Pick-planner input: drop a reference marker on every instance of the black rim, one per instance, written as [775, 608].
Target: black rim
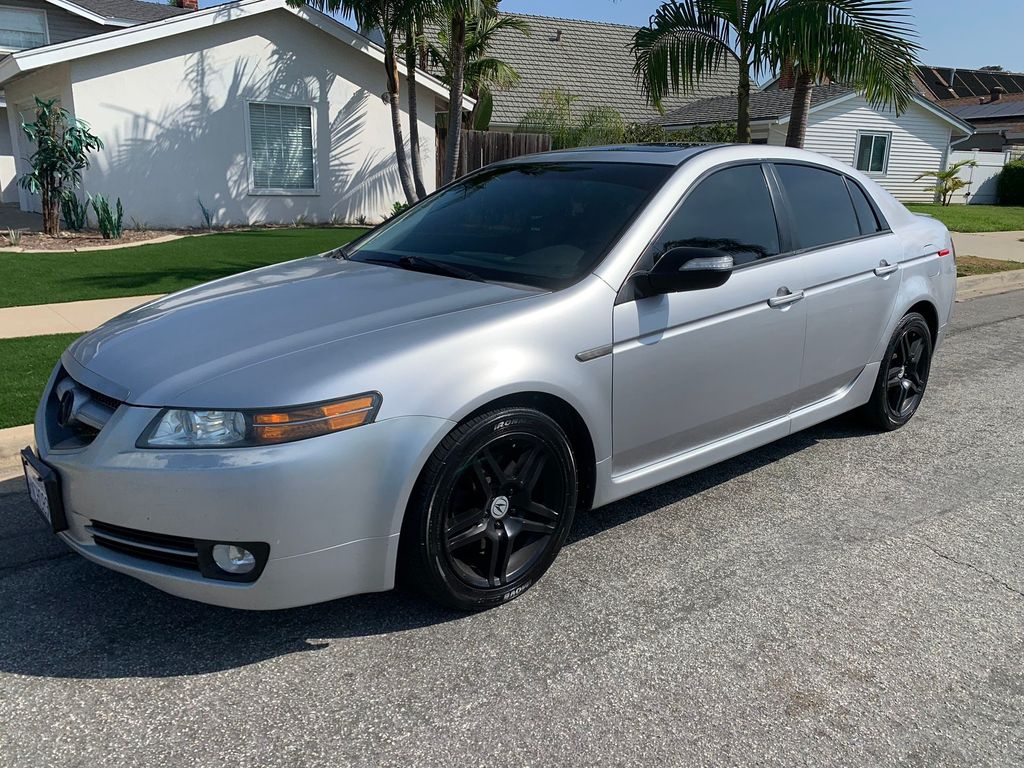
[907, 374]
[504, 510]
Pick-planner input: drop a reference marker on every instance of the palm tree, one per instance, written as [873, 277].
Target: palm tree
[482, 72]
[861, 42]
[948, 181]
[394, 19]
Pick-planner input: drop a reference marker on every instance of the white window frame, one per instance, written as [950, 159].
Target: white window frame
[37, 11]
[275, 191]
[887, 135]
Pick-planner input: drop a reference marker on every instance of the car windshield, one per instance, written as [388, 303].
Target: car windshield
[544, 225]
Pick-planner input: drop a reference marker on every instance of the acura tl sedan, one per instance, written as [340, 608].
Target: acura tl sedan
[434, 402]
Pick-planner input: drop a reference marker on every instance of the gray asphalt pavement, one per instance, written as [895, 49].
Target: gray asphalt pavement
[837, 598]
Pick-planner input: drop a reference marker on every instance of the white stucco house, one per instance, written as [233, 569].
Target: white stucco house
[264, 112]
[892, 148]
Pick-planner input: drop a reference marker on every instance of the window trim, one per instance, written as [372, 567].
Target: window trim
[4, 49]
[255, 191]
[887, 135]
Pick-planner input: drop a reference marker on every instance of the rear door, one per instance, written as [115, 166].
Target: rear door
[851, 263]
[691, 368]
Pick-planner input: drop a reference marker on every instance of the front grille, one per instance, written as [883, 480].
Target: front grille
[78, 425]
[177, 551]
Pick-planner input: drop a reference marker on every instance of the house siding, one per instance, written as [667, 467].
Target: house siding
[182, 134]
[920, 142]
[62, 25]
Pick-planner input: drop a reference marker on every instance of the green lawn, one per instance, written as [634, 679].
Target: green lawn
[27, 363]
[43, 278]
[975, 218]
[968, 266]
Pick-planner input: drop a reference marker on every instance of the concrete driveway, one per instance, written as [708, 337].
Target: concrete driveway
[837, 598]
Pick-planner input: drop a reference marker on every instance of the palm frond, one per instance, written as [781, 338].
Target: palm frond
[685, 41]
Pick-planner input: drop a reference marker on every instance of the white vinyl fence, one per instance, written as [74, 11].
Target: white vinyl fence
[981, 179]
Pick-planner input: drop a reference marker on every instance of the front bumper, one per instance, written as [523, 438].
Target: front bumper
[329, 507]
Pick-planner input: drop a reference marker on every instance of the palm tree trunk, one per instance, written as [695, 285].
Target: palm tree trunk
[802, 90]
[454, 142]
[414, 120]
[391, 65]
[743, 105]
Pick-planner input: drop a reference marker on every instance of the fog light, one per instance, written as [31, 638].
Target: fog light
[231, 558]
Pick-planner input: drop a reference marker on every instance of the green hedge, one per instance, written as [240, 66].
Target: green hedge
[1011, 184]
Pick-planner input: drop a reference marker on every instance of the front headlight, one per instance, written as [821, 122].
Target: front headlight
[183, 428]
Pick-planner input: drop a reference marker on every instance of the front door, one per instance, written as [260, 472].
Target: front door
[694, 367]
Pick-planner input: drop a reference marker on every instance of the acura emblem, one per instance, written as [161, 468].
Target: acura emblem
[66, 409]
[499, 507]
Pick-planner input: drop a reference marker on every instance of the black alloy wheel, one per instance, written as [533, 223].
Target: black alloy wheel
[903, 376]
[492, 509]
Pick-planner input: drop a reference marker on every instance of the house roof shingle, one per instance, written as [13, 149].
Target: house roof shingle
[764, 105]
[590, 60]
[131, 10]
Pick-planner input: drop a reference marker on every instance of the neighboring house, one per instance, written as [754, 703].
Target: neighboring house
[893, 149]
[263, 111]
[589, 59]
[28, 24]
[990, 100]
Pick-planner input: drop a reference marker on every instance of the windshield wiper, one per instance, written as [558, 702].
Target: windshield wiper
[423, 264]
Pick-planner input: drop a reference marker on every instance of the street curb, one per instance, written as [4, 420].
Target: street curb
[989, 285]
[12, 440]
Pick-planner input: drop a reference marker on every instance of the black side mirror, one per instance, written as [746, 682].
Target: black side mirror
[685, 269]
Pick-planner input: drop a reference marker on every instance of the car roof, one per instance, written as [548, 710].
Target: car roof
[652, 154]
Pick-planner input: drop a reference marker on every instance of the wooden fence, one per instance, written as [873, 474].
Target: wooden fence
[480, 148]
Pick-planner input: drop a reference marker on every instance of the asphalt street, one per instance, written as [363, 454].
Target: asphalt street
[837, 598]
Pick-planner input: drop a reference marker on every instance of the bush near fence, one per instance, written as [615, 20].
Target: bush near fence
[1011, 183]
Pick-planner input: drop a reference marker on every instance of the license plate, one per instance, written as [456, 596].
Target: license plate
[44, 490]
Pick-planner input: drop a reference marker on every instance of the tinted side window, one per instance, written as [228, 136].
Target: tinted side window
[865, 213]
[730, 210]
[822, 209]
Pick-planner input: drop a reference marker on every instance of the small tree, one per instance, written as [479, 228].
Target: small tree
[63, 144]
[948, 181]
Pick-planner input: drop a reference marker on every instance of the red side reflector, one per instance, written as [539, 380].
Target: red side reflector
[945, 252]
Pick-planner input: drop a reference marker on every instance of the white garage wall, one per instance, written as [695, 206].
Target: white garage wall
[920, 141]
[172, 114]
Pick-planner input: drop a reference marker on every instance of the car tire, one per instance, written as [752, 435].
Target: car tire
[491, 510]
[902, 376]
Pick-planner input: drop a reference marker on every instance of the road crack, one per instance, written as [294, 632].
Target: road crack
[991, 577]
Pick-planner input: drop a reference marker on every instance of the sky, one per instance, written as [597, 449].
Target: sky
[954, 33]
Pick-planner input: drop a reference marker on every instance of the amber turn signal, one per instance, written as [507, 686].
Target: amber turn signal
[313, 420]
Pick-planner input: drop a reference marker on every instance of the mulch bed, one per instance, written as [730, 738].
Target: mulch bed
[72, 241]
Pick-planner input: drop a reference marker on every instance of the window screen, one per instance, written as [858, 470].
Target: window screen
[821, 207]
[730, 210]
[281, 141]
[22, 28]
[873, 152]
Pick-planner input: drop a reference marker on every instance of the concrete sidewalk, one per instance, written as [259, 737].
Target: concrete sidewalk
[1004, 246]
[66, 317]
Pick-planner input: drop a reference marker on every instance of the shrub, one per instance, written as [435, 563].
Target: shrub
[111, 223]
[13, 237]
[396, 209]
[1010, 187]
[74, 212]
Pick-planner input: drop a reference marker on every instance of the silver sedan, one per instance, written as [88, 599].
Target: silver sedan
[436, 401]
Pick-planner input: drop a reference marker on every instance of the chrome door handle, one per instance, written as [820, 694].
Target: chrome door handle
[885, 268]
[785, 299]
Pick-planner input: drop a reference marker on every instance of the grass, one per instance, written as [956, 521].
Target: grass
[976, 265]
[43, 278]
[27, 365]
[975, 218]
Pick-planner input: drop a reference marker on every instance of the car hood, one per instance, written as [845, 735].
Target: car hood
[157, 351]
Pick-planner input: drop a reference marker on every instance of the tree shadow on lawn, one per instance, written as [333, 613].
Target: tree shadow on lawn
[171, 278]
[65, 617]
